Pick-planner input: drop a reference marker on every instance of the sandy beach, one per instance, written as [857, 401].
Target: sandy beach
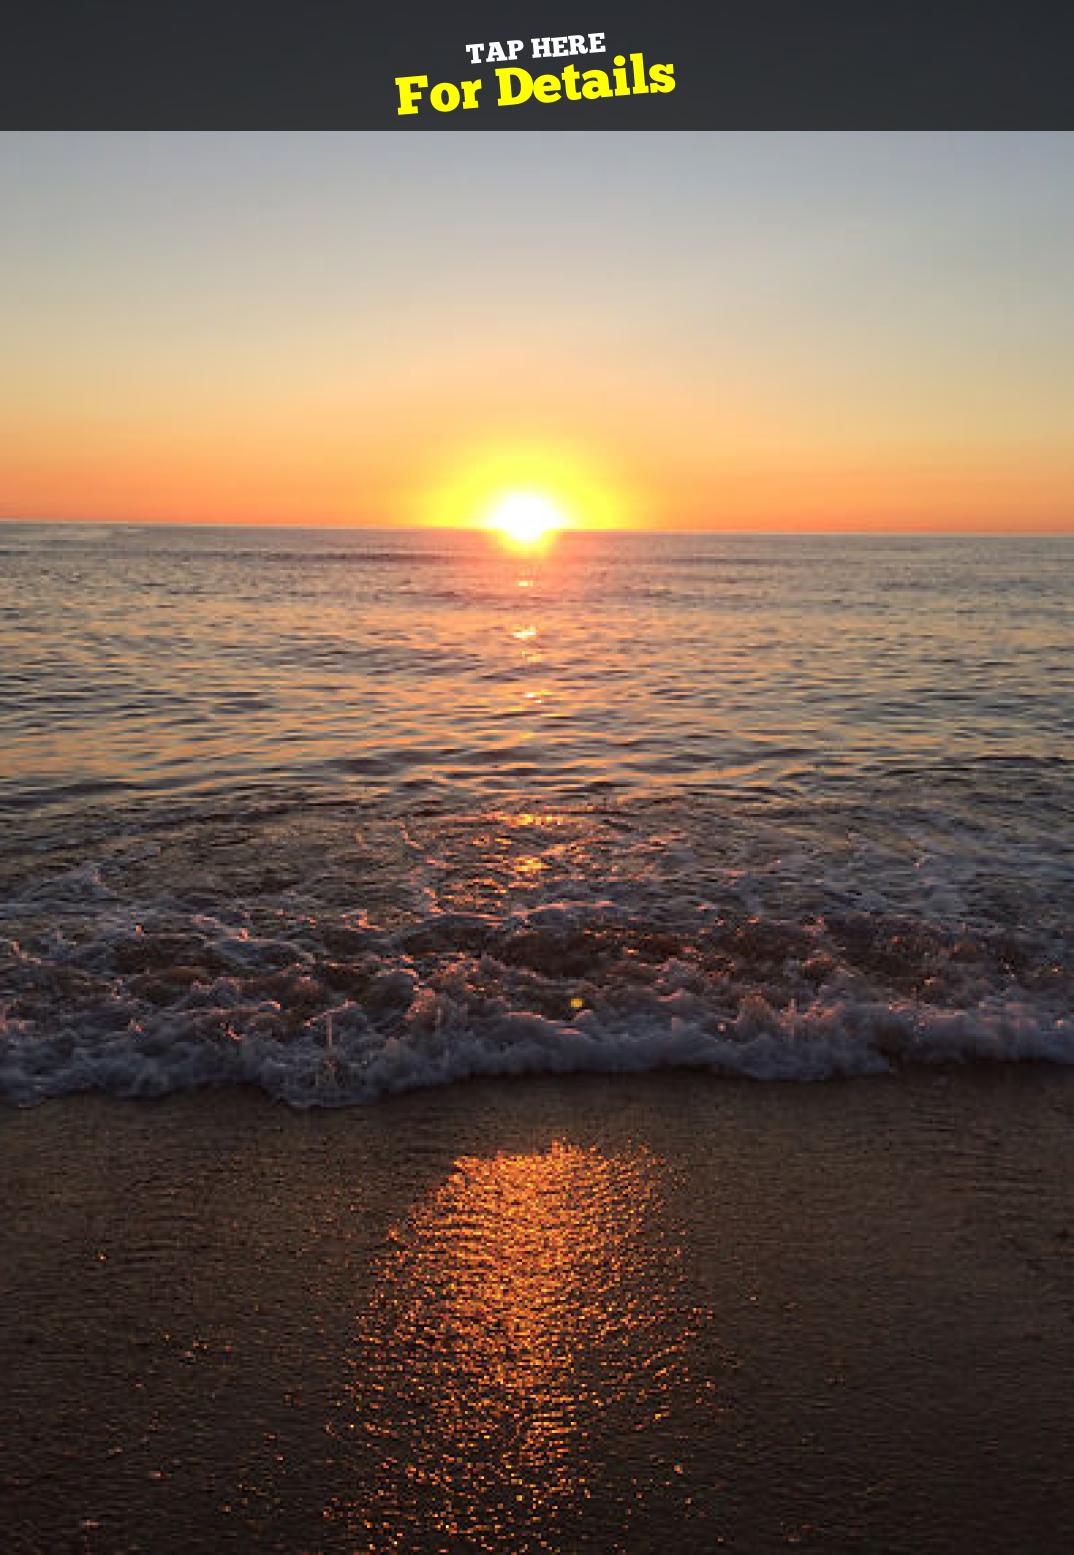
[547, 1315]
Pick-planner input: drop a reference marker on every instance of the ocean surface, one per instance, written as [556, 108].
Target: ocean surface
[341, 813]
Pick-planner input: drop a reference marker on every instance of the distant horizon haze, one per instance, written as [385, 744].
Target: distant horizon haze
[848, 532]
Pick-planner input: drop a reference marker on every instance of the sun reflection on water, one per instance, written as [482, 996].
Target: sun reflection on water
[525, 1327]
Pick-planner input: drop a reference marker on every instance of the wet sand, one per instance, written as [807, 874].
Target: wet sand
[551, 1315]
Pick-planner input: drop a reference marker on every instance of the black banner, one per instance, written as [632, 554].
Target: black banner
[336, 64]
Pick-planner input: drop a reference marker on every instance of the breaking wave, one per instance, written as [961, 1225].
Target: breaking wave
[514, 944]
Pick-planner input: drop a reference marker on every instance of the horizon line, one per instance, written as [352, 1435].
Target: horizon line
[1066, 530]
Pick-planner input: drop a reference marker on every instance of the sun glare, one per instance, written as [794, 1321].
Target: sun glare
[522, 491]
[525, 517]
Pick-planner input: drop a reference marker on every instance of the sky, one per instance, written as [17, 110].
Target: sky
[688, 331]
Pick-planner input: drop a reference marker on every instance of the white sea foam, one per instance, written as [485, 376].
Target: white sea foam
[561, 988]
[330, 955]
[341, 1057]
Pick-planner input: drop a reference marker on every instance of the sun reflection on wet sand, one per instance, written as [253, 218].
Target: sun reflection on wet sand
[530, 864]
[526, 1336]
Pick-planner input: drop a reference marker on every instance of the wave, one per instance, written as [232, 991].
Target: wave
[332, 1011]
[341, 1058]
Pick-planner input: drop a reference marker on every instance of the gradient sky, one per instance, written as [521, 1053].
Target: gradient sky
[683, 330]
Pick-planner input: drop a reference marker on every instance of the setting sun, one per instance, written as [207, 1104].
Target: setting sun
[525, 517]
[523, 490]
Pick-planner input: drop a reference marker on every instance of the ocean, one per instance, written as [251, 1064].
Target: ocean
[340, 813]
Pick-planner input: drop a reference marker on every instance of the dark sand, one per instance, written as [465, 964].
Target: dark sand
[666, 1313]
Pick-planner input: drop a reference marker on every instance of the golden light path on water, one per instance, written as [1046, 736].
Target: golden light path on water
[527, 1327]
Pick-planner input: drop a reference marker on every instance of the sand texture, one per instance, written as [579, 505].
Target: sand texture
[669, 1312]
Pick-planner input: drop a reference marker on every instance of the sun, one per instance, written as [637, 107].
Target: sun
[522, 490]
[525, 517]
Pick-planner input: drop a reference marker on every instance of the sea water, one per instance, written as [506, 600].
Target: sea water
[343, 812]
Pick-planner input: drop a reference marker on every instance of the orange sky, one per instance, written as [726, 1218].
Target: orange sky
[685, 331]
